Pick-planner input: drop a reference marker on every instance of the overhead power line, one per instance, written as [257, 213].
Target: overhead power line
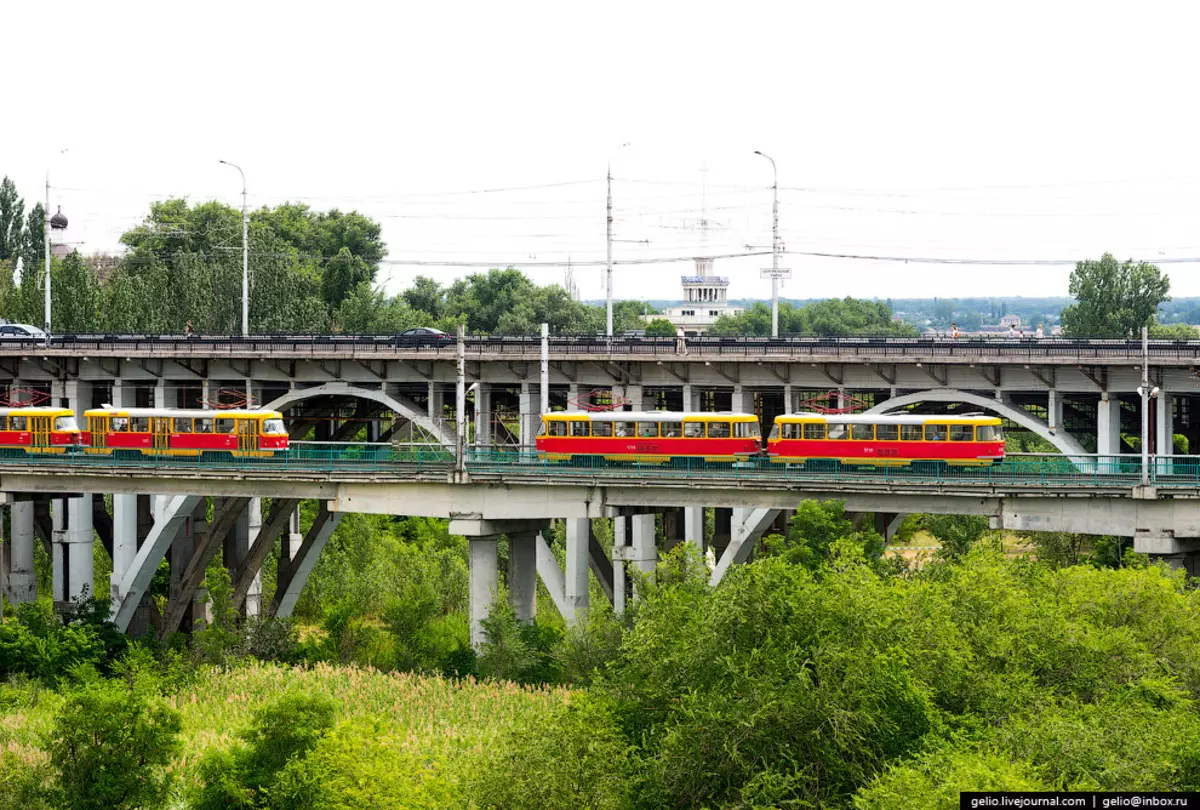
[949, 260]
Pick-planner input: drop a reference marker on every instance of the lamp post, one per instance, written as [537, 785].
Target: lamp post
[245, 254]
[47, 227]
[774, 246]
[608, 299]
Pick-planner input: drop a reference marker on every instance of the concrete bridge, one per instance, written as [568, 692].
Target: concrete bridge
[1076, 395]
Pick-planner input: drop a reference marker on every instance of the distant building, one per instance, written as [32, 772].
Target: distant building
[59, 248]
[705, 298]
[1011, 320]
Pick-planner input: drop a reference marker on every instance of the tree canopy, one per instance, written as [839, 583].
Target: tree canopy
[835, 317]
[1113, 299]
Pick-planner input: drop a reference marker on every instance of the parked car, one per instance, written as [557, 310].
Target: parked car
[21, 331]
[424, 336]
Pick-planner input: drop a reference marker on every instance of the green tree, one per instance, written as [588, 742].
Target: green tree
[426, 295]
[1113, 299]
[33, 243]
[956, 533]
[814, 530]
[76, 295]
[343, 273]
[12, 223]
[110, 746]
[1174, 331]
[505, 653]
[661, 327]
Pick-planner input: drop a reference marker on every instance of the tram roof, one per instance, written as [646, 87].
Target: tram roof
[650, 416]
[183, 413]
[890, 419]
[34, 410]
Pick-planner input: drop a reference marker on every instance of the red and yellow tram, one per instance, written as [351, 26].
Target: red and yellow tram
[652, 436]
[39, 430]
[887, 440]
[175, 432]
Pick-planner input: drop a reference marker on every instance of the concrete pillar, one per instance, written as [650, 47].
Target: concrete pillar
[1108, 425]
[691, 398]
[789, 400]
[645, 552]
[294, 537]
[522, 575]
[722, 529]
[531, 413]
[693, 527]
[742, 400]
[1164, 424]
[672, 522]
[125, 540]
[635, 396]
[1054, 411]
[620, 544]
[483, 416]
[576, 590]
[73, 535]
[237, 548]
[484, 583]
[573, 397]
[58, 545]
[22, 581]
[159, 502]
[437, 402]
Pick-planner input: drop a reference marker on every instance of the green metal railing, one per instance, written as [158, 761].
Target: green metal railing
[327, 459]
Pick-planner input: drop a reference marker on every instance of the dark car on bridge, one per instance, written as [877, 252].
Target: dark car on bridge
[422, 336]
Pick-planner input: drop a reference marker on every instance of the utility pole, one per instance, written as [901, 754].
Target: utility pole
[608, 298]
[46, 228]
[245, 254]
[1144, 391]
[775, 272]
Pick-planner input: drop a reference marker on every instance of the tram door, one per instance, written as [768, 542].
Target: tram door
[39, 429]
[160, 427]
[98, 429]
[247, 435]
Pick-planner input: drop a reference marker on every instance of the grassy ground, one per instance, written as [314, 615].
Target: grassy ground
[448, 722]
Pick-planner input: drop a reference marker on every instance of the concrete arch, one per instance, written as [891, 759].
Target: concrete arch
[401, 406]
[1064, 441]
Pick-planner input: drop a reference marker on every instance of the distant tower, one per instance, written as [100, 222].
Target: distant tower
[59, 248]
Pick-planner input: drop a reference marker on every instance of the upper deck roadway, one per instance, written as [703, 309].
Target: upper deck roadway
[1046, 351]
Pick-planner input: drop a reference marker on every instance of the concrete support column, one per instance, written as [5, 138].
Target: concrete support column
[634, 394]
[73, 535]
[294, 538]
[522, 574]
[125, 540]
[437, 402]
[619, 552]
[531, 413]
[693, 527]
[237, 549]
[22, 581]
[58, 550]
[691, 398]
[1108, 425]
[484, 583]
[789, 399]
[573, 397]
[576, 585]
[645, 552]
[673, 529]
[722, 528]
[1054, 410]
[483, 416]
[1164, 424]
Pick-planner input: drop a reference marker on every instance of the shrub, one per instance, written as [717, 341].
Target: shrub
[110, 746]
[934, 781]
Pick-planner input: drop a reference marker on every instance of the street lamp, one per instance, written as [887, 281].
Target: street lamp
[47, 227]
[774, 246]
[608, 300]
[245, 254]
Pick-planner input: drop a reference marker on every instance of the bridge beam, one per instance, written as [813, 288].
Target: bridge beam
[279, 518]
[225, 515]
[20, 578]
[294, 574]
[149, 555]
[747, 528]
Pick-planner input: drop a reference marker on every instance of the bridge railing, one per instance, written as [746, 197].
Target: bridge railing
[792, 346]
[329, 460]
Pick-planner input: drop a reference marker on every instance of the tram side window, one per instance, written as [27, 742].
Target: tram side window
[887, 433]
[556, 428]
[671, 430]
[119, 424]
[224, 426]
[838, 432]
[718, 430]
[987, 433]
[18, 423]
[602, 429]
[625, 429]
[647, 430]
[579, 430]
[862, 433]
[140, 424]
[204, 426]
[745, 430]
[935, 433]
[814, 430]
[962, 433]
[182, 424]
[693, 430]
[910, 433]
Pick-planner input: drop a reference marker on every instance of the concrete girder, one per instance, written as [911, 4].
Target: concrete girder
[748, 526]
[145, 562]
[224, 517]
[295, 574]
[551, 575]
[276, 522]
[1065, 442]
[399, 405]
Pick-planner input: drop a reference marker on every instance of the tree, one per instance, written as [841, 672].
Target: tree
[343, 273]
[110, 746]
[76, 295]
[1112, 299]
[956, 533]
[12, 225]
[33, 243]
[661, 327]
[426, 295]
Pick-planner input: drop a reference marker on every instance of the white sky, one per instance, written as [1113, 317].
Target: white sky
[957, 130]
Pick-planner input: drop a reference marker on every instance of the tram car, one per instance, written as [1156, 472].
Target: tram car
[180, 432]
[652, 436]
[921, 440]
[39, 430]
